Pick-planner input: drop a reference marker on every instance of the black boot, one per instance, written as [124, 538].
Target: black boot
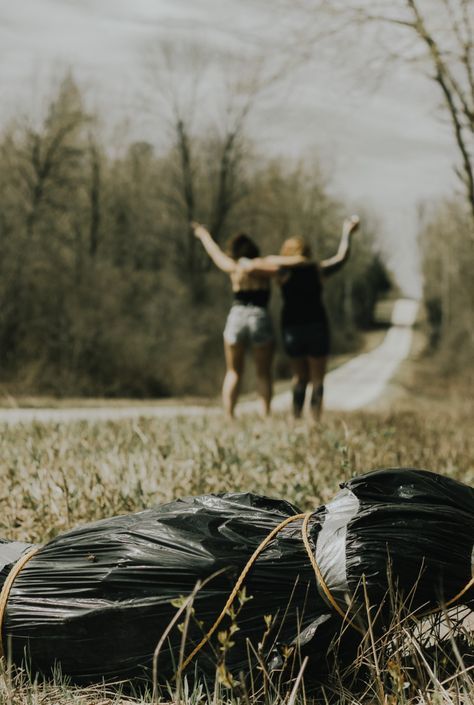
[317, 400]
[299, 392]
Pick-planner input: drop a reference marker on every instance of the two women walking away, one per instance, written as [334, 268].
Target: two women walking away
[304, 319]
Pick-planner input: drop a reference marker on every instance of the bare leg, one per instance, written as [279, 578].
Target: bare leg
[317, 369]
[300, 369]
[234, 358]
[263, 356]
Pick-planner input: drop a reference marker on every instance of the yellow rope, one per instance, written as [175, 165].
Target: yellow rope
[237, 587]
[462, 592]
[7, 586]
[450, 602]
[306, 517]
[320, 579]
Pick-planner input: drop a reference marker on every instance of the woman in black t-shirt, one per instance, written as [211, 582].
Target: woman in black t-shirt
[305, 326]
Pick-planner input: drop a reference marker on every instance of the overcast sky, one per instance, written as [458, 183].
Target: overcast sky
[383, 147]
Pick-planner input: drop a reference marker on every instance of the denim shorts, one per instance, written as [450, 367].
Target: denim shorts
[307, 339]
[249, 325]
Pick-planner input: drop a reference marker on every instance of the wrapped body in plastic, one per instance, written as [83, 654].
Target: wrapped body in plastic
[96, 600]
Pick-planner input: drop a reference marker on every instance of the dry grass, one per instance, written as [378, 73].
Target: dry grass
[55, 477]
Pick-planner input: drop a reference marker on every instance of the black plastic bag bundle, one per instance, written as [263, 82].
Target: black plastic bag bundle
[97, 599]
[405, 533]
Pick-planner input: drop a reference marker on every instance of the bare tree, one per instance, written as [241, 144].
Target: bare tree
[431, 35]
[448, 260]
[50, 159]
[174, 76]
[239, 100]
[179, 77]
[43, 208]
[95, 184]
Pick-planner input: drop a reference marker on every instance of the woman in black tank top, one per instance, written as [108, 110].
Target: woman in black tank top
[304, 321]
[248, 323]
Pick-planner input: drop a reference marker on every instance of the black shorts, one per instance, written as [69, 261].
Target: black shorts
[307, 339]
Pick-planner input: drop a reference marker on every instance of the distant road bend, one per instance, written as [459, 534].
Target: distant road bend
[363, 379]
[351, 386]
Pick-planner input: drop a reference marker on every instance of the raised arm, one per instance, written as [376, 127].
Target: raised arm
[220, 259]
[271, 264]
[333, 264]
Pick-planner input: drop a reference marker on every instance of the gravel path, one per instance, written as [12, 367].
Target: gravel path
[351, 386]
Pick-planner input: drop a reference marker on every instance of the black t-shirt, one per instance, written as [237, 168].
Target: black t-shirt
[302, 296]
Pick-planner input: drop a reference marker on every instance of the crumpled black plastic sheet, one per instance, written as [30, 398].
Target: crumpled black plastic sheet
[97, 599]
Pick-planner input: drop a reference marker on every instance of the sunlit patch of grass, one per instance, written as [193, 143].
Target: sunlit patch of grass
[53, 477]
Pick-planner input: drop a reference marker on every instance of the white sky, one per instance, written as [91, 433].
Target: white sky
[385, 148]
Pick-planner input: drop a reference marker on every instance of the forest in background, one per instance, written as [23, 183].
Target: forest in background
[103, 289]
[447, 245]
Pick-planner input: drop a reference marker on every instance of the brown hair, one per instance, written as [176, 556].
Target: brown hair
[241, 245]
[295, 246]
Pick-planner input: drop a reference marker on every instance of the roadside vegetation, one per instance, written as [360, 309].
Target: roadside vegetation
[103, 288]
[448, 262]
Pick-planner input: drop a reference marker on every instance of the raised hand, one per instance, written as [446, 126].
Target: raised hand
[351, 225]
[198, 230]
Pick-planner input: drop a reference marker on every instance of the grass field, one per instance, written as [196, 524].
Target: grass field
[56, 477]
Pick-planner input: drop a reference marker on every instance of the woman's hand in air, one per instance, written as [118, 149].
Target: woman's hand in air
[350, 225]
[198, 230]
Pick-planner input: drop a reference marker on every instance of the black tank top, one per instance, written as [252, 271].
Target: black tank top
[252, 297]
[302, 296]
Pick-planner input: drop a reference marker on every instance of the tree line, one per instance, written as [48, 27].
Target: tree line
[103, 289]
[447, 241]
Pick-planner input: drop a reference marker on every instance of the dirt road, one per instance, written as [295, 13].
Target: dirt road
[352, 386]
[363, 379]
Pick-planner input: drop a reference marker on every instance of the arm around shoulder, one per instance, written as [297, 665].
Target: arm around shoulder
[271, 264]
